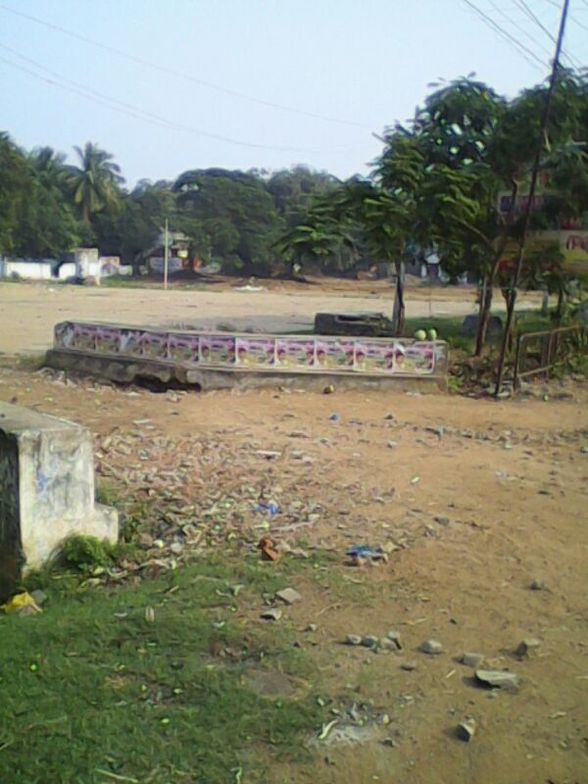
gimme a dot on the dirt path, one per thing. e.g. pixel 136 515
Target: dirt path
pixel 474 499
pixel 28 312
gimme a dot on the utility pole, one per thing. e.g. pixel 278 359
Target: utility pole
pixel 529 206
pixel 165 253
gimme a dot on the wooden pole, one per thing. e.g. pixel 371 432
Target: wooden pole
pixel 165 254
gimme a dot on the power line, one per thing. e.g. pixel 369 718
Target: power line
pixel 534 18
pixel 52 77
pixel 520 28
pixel 523 50
pixel 181 74
pixel 570 16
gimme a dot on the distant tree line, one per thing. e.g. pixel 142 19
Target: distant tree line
pixel 440 184
pixel 47 207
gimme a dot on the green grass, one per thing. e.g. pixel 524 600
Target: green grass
pixel 449 327
pixel 91 690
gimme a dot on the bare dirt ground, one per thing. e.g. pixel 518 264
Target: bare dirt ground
pixel 28 312
pixel 473 499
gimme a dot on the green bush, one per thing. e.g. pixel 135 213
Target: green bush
pixel 86 553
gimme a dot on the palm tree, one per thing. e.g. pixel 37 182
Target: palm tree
pixel 50 169
pixel 94 183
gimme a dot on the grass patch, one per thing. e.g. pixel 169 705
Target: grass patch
pixel 124 282
pixel 449 327
pixel 28 362
pixel 94 688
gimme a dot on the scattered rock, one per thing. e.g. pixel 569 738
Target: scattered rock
pixel 329 389
pixel 498 679
pixel 268 549
pixel 432 647
pixel 272 614
pixel 370 641
pixel 528 646
pixel 472 659
pixel 395 638
pixel 312 627
pixel 176 548
pixel 442 520
pixel 466 730
pixel 288 596
pixel 538 585
pixel 268 454
pixel 385 644
pixel 409 666
pixel 392 444
pixel 353 639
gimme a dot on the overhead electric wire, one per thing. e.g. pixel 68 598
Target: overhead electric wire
pixel 534 18
pixel 52 77
pixel 523 50
pixel 570 16
pixel 520 28
pixel 179 74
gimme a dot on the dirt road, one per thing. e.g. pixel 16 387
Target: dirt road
pixel 28 312
pixel 473 499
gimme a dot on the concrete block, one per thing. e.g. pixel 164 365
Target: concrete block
pixel 46 491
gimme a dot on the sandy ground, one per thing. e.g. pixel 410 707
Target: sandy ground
pixel 28 312
pixel 474 499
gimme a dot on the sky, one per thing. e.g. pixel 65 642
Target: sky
pixel 171 85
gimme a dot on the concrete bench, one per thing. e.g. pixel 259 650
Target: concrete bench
pixel 46 491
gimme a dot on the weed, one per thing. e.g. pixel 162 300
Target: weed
pixel 107 494
pixel 86 553
pixel 30 362
pixel 455 384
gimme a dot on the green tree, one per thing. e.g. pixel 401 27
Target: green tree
pixel 231 216
pixel 35 217
pixel 95 182
pixel 13 191
pixel 133 227
pixel 380 216
pixel 477 147
pixel 294 190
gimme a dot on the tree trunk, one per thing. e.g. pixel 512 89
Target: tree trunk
pixel 488 281
pixel 484 314
pixel 509 298
pixel 560 306
pixel 398 312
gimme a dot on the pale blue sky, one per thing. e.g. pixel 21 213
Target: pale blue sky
pixel 365 63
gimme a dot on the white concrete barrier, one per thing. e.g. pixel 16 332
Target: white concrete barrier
pixel 46 491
